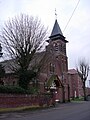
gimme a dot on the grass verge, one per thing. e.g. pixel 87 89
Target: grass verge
pixel 3 110
pixel 78 99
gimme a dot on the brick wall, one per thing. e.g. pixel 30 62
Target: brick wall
pixel 12 100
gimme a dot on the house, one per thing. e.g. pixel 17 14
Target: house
pixel 75 82
pixel 54 76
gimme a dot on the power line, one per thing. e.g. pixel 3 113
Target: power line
pixel 71 15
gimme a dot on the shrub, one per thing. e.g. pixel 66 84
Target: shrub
pixel 12 89
pixel 32 90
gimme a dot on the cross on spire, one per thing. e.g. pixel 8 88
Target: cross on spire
pixel 55 14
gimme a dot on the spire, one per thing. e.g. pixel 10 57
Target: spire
pixel 56 30
pixel 57 33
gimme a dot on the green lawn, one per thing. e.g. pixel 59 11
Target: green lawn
pixel 78 99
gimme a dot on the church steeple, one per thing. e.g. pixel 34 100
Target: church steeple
pixel 56 32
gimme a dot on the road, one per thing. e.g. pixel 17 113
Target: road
pixel 68 111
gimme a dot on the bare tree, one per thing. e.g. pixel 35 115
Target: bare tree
pixel 21 38
pixel 83 71
pixel 2 73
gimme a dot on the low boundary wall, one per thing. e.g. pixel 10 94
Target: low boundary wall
pixel 13 100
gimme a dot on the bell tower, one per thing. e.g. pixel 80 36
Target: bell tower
pixel 57 78
pixel 57 44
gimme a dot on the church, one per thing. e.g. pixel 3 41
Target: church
pixel 54 76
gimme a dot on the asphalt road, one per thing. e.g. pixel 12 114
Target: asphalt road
pixel 68 111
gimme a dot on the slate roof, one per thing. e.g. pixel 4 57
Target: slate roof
pixel 72 71
pixel 57 33
pixel 10 64
pixel 56 30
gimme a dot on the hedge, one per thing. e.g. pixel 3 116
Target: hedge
pixel 16 90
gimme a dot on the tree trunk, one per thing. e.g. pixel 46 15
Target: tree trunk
pixel 84 91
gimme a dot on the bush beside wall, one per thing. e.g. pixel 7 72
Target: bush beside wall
pixel 17 90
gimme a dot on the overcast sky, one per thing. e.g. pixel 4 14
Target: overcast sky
pixel 77 31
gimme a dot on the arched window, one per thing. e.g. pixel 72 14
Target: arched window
pixel 64 49
pixel 56 45
pixel 61 47
pixel 52 68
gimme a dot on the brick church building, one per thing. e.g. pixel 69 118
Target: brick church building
pixel 54 75
pixel 55 67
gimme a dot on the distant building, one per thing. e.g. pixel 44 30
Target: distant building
pixel 88 83
pixel 76 86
